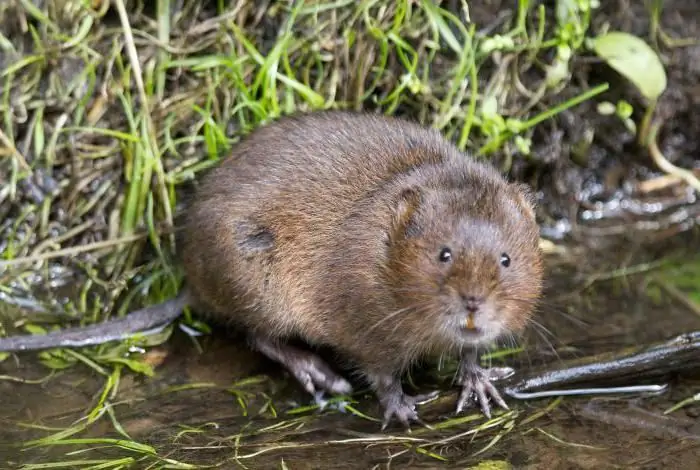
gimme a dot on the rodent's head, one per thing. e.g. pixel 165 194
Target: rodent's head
pixel 464 260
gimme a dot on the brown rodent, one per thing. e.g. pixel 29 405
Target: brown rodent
pixel 369 234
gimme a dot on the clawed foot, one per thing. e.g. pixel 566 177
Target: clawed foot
pixel 395 402
pixel 477 380
pixel 403 407
pixel 309 369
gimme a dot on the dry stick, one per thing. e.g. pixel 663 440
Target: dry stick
pixel 20 158
pixel 677 294
pixel 609 372
pixel 661 182
pixel 138 77
pixel 73 250
pixel 667 166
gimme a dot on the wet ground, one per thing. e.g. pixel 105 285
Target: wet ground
pixel 218 403
pixel 227 408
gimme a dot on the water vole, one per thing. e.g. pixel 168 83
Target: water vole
pixel 369 234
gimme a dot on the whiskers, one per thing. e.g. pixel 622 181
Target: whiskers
pixel 557 318
pixel 413 328
pixel 419 310
pixel 543 333
pixel 550 308
pixel 389 317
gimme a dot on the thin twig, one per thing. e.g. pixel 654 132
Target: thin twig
pixel 667 166
pixel 74 250
pixel 13 150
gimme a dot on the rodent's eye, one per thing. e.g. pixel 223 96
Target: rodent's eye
pixel 445 255
pixel 505 260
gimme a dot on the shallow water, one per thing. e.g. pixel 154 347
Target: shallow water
pixel 234 425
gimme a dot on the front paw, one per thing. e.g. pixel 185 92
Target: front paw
pixel 477 380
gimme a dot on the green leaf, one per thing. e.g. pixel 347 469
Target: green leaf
pixel 624 109
pixel 35 329
pixel 635 60
pixel 489 107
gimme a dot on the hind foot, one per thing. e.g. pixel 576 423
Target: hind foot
pixel 308 368
pixel 403 407
pixel 396 403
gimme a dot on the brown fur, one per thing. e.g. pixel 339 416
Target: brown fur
pixel 323 226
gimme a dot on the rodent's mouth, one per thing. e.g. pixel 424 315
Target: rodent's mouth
pixel 471 330
pixel 472 333
pixel 475 330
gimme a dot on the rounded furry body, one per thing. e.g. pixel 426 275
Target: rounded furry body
pixel 328 226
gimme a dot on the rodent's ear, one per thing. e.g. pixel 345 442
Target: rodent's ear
pixel 403 221
pixel 526 198
pixel 253 238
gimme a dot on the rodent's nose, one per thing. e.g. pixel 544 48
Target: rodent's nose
pixel 472 302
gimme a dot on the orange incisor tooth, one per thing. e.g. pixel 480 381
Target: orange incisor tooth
pixel 470 321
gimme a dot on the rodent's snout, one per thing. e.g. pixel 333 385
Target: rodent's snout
pixel 473 306
pixel 472 303
pixel 472 319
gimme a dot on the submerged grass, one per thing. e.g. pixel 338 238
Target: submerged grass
pixel 110 109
